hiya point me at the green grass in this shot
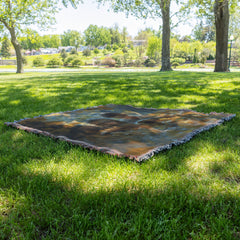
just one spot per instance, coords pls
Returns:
(52, 190)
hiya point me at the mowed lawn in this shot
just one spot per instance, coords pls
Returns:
(52, 190)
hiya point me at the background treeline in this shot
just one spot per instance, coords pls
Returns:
(115, 47)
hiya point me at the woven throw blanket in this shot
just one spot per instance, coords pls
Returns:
(122, 130)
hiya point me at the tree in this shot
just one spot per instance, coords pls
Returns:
(97, 36)
(234, 25)
(124, 35)
(221, 10)
(72, 38)
(154, 48)
(115, 35)
(144, 35)
(51, 41)
(15, 15)
(31, 41)
(5, 50)
(205, 32)
(144, 9)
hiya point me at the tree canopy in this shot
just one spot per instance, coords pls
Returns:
(97, 36)
(17, 15)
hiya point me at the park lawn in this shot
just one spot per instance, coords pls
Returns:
(52, 190)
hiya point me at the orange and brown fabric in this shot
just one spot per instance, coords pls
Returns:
(122, 130)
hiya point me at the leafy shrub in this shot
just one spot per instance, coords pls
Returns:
(97, 62)
(118, 52)
(63, 54)
(96, 50)
(76, 62)
(115, 46)
(38, 62)
(150, 62)
(180, 54)
(131, 46)
(178, 60)
(24, 60)
(74, 51)
(119, 60)
(68, 60)
(73, 61)
(125, 50)
(54, 62)
(138, 62)
(86, 52)
(109, 48)
(126, 59)
(105, 52)
(203, 59)
(175, 64)
(109, 61)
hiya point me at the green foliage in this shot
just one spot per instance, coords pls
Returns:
(178, 60)
(63, 54)
(38, 62)
(138, 62)
(96, 50)
(17, 14)
(5, 49)
(105, 51)
(192, 50)
(24, 60)
(77, 62)
(234, 25)
(119, 60)
(68, 60)
(51, 41)
(154, 48)
(118, 52)
(125, 50)
(126, 59)
(31, 40)
(97, 62)
(145, 35)
(115, 47)
(86, 52)
(205, 33)
(150, 62)
(54, 62)
(71, 38)
(175, 64)
(97, 36)
(109, 47)
(74, 51)
(73, 61)
(115, 35)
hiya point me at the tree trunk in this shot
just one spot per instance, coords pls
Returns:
(17, 48)
(221, 12)
(165, 8)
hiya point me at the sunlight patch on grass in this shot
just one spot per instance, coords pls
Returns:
(51, 189)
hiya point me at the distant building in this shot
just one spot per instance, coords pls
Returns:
(48, 50)
(67, 48)
(82, 48)
(137, 43)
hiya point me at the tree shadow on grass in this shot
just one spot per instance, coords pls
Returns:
(39, 95)
(113, 198)
(44, 206)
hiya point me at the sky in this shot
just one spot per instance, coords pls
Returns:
(88, 13)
